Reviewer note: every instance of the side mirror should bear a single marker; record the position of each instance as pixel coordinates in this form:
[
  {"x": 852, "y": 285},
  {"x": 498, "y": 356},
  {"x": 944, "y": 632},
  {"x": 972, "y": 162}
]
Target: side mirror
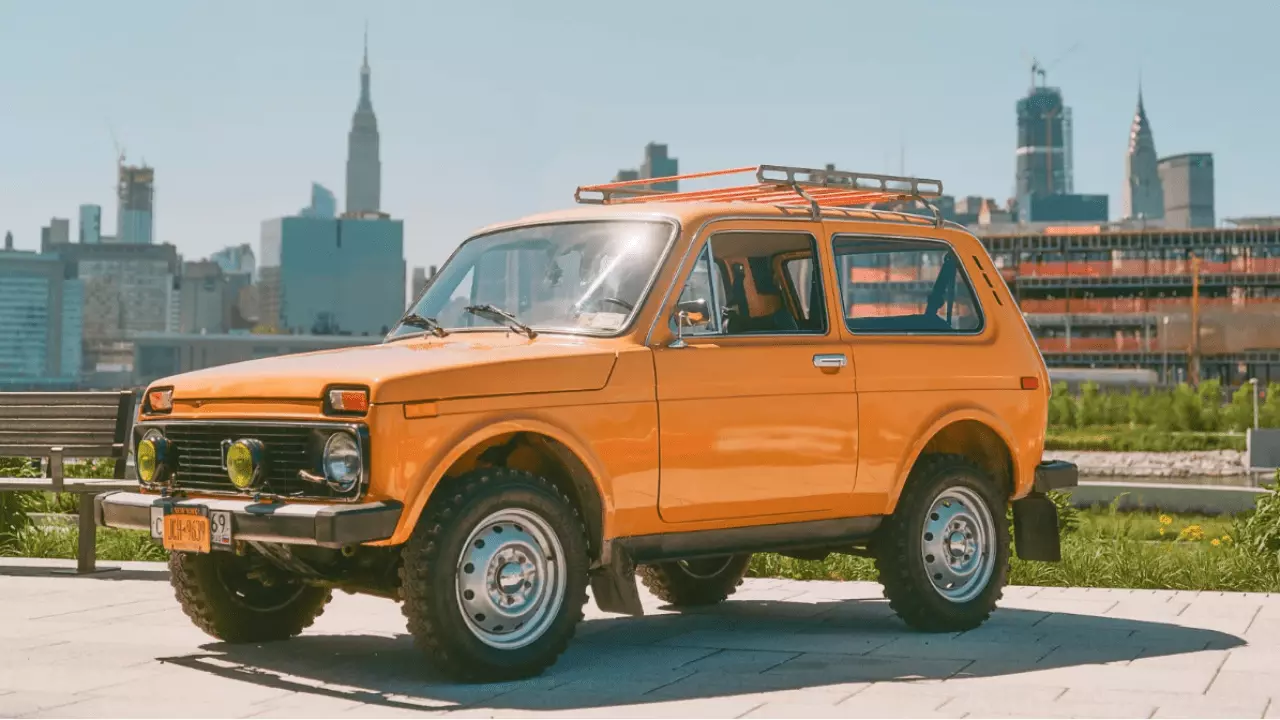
[{"x": 689, "y": 312}]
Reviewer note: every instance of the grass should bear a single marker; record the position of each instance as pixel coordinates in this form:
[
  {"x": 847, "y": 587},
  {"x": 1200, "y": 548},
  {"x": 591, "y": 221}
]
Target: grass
[
  {"x": 59, "y": 542},
  {"x": 1141, "y": 439},
  {"x": 1110, "y": 549}
]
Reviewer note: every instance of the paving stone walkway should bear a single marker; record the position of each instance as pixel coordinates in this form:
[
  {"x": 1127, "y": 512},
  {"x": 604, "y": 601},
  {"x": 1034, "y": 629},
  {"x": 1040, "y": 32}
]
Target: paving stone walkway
[{"x": 117, "y": 645}]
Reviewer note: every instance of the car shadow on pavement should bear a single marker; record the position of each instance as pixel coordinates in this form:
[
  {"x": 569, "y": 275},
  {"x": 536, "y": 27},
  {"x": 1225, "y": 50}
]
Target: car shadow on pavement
[
  {"x": 734, "y": 649},
  {"x": 106, "y": 571}
]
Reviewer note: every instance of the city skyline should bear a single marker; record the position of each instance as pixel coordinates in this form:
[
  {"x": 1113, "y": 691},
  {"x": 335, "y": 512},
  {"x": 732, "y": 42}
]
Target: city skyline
[{"x": 467, "y": 155}]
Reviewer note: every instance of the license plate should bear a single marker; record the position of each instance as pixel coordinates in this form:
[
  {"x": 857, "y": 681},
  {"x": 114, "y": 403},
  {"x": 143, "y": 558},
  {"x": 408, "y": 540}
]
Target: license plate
[{"x": 191, "y": 529}]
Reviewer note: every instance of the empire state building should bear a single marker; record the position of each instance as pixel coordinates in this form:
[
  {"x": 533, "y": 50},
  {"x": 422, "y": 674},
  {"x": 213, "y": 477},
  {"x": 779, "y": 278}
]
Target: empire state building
[{"x": 364, "y": 169}]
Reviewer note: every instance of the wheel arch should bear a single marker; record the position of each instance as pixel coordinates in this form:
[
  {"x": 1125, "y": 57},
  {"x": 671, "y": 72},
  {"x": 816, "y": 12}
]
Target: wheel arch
[
  {"x": 974, "y": 434},
  {"x": 522, "y": 444}
]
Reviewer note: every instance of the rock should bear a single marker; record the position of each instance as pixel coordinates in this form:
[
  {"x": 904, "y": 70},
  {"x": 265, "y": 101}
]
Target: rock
[{"x": 1207, "y": 463}]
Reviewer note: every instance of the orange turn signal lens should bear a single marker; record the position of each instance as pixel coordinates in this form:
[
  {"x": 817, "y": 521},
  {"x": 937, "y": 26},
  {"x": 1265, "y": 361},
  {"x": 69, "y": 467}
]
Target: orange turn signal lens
[
  {"x": 160, "y": 400},
  {"x": 1030, "y": 383},
  {"x": 349, "y": 401}
]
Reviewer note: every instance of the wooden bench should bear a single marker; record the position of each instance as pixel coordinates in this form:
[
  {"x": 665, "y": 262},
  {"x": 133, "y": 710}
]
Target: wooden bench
[{"x": 58, "y": 426}]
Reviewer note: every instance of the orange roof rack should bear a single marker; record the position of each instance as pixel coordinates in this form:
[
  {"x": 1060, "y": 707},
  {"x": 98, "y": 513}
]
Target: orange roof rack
[{"x": 778, "y": 185}]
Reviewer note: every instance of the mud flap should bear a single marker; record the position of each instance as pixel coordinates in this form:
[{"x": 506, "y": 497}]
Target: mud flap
[
  {"x": 614, "y": 585},
  {"x": 1035, "y": 528}
]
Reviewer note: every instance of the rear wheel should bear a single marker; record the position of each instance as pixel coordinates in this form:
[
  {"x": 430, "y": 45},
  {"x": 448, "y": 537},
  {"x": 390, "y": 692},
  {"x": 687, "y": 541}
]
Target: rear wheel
[
  {"x": 495, "y": 576},
  {"x": 704, "y": 581},
  {"x": 240, "y": 599},
  {"x": 943, "y": 556}
]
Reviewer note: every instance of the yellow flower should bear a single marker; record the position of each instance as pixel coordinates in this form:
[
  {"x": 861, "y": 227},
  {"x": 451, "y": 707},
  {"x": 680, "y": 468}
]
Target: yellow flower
[
  {"x": 1162, "y": 532},
  {"x": 1191, "y": 532},
  {"x": 1215, "y": 542},
  {"x": 1166, "y": 520},
  {"x": 1226, "y": 539}
]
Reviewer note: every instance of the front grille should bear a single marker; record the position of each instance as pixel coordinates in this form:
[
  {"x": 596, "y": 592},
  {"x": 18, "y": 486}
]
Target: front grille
[{"x": 288, "y": 449}]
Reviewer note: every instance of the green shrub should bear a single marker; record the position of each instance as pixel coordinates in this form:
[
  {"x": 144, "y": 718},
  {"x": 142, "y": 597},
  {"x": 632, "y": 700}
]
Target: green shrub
[
  {"x": 14, "y": 505},
  {"x": 1062, "y": 407},
  {"x": 1092, "y": 409},
  {"x": 1269, "y": 412},
  {"x": 1238, "y": 415},
  {"x": 1260, "y": 530}
]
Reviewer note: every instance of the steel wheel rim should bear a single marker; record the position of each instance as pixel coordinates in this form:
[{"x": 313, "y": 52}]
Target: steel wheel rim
[
  {"x": 700, "y": 571},
  {"x": 511, "y": 578},
  {"x": 957, "y": 544}
]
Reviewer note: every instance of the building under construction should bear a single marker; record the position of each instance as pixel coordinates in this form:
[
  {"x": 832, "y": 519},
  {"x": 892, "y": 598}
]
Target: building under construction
[{"x": 1129, "y": 299}]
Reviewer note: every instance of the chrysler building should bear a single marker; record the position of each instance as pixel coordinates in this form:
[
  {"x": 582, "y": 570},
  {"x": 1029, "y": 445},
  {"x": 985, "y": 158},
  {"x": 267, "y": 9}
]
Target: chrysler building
[
  {"x": 364, "y": 169},
  {"x": 1143, "y": 194}
]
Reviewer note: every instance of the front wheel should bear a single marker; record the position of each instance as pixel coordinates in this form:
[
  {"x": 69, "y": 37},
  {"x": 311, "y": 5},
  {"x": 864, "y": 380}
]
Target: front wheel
[
  {"x": 240, "y": 599},
  {"x": 495, "y": 576},
  {"x": 943, "y": 556}
]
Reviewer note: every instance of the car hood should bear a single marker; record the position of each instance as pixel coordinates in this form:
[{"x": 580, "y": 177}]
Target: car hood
[{"x": 411, "y": 370}]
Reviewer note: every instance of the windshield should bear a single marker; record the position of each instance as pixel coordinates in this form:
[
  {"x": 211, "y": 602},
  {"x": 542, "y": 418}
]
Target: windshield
[{"x": 585, "y": 277}]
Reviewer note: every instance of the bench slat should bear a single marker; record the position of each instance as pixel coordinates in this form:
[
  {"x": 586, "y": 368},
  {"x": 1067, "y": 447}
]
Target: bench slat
[
  {"x": 70, "y": 485},
  {"x": 69, "y": 451},
  {"x": 81, "y": 412},
  {"x": 56, "y": 438},
  {"x": 106, "y": 399},
  {"x": 93, "y": 425}
]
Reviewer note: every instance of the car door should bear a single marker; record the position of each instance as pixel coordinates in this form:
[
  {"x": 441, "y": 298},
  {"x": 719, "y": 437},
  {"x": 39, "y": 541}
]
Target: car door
[
  {"x": 756, "y": 403},
  {"x": 920, "y": 342}
]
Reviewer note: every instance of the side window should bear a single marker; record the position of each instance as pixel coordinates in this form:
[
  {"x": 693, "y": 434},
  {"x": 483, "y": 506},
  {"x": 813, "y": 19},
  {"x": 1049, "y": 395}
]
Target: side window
[
  {"x": 758, "y": 283},
  {"x": 890, "y": 286}
]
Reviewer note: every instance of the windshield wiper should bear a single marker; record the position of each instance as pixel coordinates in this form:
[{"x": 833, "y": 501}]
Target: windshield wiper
[
  {"x": 425, "y": 323},
  {"x": 498, "y": 315}
]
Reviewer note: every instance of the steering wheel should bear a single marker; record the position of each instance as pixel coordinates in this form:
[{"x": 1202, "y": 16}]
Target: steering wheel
[{"x": 621, "y": 303}]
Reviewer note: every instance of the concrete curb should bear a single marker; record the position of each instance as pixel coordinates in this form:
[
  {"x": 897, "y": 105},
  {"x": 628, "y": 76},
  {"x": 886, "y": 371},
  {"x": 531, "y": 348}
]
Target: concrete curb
[{"x": 1172, "y": 497}]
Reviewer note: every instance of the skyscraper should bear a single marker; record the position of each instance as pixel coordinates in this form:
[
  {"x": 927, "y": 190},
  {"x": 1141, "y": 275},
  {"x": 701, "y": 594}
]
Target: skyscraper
[
  {"x": 1044, "y": 152},
  {"x": 90, "y": 224},
  {"x": 364, "y": 169},
  {"x": 135, "y": 221},
  {"x": 323, "y": 204},
  {"x": 1187, "y": 180},
  {"x": 1143, "y": 193}
]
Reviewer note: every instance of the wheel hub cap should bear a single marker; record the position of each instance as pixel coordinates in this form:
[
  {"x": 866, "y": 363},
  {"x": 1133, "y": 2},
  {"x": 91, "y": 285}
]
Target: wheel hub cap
[
  {"x": 509, "y": 578},
  {"x": 957, "y": 544}
]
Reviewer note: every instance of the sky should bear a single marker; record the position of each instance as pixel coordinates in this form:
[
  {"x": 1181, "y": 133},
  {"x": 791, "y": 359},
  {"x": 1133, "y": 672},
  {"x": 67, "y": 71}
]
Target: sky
[{"x": 492, "y": 110}]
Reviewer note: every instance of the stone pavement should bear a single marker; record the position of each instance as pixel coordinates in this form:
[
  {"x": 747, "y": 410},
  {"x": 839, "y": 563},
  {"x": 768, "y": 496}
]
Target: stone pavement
[{"x": 117, "y": 645}]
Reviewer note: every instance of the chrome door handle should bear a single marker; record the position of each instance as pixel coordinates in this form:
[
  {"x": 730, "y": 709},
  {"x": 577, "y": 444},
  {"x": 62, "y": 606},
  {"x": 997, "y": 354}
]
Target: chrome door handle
[{"x": 828, "y": 361}]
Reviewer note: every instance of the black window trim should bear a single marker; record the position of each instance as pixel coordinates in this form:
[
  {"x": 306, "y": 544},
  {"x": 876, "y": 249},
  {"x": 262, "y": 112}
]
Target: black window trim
[
  {"x": 960, "y": 266},
  {"x": 826, "y": 331}
]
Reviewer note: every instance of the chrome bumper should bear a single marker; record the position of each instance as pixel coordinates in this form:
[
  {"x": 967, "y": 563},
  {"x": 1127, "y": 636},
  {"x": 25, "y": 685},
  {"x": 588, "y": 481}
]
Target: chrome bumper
[{"x": 330, "y": 526}]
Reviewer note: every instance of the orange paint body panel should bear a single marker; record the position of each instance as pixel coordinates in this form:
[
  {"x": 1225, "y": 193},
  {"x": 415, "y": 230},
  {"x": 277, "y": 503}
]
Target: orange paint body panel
[{"x": 726, "y": 431}]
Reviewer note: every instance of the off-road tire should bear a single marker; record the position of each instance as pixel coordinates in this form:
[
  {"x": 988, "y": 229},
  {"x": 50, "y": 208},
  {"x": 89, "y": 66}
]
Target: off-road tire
[
  {"x": 898, "y": 541},
  {"x": 199, "y": 583},
  {"x": 428, "y": 576},
  {"x": 678, "y": 585}
]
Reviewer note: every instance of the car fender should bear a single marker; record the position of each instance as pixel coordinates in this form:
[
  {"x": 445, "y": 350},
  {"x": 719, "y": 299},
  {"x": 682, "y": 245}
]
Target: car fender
[
  {"x": 945, "y": 418},
  {"x": 483, "y": 429}
]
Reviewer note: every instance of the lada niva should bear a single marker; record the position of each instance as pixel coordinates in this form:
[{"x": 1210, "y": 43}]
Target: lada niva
[{"x": 655, "y": 385}]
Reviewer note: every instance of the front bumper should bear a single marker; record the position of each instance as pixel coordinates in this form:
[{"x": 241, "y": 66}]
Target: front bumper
[{"x": 330, "y": 526}]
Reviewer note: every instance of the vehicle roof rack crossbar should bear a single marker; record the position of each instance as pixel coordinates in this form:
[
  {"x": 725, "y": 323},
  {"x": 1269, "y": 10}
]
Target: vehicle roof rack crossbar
[{"x": 780, "y": 185}]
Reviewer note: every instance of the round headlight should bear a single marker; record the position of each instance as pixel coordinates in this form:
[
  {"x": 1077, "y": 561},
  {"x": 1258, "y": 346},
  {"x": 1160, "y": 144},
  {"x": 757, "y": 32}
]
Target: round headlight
[
  {"x": 342, "y": 462},
  {"x": 151, "y": 456},
  {"x": 244, "y": 463}
]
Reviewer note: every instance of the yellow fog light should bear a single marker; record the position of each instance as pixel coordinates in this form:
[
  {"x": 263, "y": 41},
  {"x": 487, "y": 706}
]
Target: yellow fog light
[
  {"x": 244, "y": 463},
  {"x": 151, "y": 456}
]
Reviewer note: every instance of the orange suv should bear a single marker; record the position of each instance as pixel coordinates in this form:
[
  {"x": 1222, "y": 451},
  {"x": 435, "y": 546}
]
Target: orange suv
[{"x": 658, "y": 384}]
